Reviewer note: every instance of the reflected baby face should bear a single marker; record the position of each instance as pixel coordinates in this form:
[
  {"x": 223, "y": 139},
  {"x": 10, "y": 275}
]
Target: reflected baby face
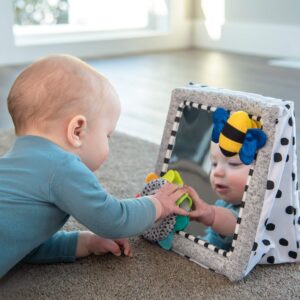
[{"x": 228, "y": 175}]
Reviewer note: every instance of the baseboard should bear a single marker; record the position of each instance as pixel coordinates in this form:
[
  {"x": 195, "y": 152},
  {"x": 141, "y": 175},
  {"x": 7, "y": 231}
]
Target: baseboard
[
  {"x": 175, "y": 39},
  {"x": 269, "y": 40}
]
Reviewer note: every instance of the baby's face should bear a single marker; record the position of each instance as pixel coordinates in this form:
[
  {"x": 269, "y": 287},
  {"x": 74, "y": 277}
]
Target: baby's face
[
  {"x": 96, "y": 146},
  {"x": 228, "y": 175}
]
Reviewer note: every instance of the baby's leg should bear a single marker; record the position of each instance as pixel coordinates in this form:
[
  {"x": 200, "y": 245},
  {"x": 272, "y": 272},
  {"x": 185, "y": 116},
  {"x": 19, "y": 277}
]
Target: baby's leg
[{"x": 61, "y": 247}]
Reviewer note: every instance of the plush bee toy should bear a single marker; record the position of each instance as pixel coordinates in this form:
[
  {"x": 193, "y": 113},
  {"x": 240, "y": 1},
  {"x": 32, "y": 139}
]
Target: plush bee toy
[{"x": 237, "y": 134}]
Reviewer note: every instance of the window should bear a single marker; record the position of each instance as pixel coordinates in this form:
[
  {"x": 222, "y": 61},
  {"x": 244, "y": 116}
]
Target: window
[
  {"x": 46, "y": 18},
  {"x": 30, "y": 12}
]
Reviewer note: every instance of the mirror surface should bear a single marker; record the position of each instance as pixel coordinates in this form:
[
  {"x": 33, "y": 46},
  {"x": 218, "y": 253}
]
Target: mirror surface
[{"x": 191, "y": 156}]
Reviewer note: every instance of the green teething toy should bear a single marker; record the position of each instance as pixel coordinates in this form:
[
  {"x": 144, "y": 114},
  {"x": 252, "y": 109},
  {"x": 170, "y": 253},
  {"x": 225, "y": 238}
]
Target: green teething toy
[{"x": 185, "y": 201}]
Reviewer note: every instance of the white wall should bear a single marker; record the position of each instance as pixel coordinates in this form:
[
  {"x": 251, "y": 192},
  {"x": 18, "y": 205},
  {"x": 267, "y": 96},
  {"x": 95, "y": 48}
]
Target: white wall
[
  {"x": 178, "y": 37},
  {"x": 268, "y": 28},
  {"x": 285, "y": 12}
]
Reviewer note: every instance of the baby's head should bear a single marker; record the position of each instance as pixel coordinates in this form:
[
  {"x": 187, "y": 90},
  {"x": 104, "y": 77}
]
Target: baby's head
[
  {"x": 65, "y": 100},
  {"x": 228, "y": 175}
]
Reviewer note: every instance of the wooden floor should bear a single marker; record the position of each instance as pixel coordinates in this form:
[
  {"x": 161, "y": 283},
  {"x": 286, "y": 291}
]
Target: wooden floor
[{"x": 144, "y": 83}]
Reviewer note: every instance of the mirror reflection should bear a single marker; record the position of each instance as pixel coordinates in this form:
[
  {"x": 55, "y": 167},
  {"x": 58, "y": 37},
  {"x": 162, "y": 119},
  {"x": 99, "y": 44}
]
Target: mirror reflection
[{"x": 219, "y": 181}]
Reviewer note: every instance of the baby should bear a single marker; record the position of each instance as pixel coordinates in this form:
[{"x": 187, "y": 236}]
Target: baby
[
  {"x": 235, "y": 140},
  {"x": 64, "y": 113},
  {"x": 228, "y": 178}
]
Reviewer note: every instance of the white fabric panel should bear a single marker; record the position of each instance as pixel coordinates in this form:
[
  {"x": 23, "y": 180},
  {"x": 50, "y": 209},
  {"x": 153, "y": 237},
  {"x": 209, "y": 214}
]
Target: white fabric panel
[{"x": 278, "y": 233}]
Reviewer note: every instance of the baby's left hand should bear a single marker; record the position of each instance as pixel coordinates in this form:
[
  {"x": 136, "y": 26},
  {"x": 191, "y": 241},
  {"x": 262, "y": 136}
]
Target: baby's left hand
[
  {"x": 124, "y": 246},
  {"x": 90, "y": 243}
]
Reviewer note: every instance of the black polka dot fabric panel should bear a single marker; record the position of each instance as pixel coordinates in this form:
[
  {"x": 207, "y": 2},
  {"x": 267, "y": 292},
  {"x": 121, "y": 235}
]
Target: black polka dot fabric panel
[{"x": 278, "y": 233}]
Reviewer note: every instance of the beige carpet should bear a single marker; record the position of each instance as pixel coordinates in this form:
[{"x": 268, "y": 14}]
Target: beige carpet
[{"x": 152, "y": 273}]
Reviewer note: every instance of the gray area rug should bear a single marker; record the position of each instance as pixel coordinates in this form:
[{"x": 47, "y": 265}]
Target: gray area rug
[{"x": 152, "y": 273}]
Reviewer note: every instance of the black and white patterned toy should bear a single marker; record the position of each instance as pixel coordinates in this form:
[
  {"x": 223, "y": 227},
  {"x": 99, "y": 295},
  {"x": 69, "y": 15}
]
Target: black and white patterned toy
[{"x": 162, "y": 228}]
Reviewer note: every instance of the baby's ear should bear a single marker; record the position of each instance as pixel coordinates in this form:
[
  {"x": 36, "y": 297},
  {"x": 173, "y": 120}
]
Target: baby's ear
[{"x": 76, "y": 128}]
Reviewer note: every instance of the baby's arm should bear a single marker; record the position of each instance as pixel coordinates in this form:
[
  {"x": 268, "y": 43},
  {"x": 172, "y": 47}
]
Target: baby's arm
[
  {"x": 219, "y": 218},
  {"x": 61, "y": 247},
  {"x": 77, "y": 192},
  {"x": 67, "y": 246},
  {"x": 164, "y": 201}
]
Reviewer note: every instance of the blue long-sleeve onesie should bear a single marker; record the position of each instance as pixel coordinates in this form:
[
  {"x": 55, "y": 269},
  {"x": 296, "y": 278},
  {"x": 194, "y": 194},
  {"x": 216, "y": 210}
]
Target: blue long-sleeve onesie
[{"x": 41, "y": 185}]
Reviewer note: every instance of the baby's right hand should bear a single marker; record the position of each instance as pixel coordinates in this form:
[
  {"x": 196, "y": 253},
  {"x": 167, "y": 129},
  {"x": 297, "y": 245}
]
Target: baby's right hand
[{"x": 165, "y": 200}]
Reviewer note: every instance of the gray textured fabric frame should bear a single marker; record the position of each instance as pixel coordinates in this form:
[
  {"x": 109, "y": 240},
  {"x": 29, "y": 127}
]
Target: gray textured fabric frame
[{"x": 233, "y": 263}]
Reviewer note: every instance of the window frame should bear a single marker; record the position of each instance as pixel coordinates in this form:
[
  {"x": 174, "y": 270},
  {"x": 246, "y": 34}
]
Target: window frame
[{"x": 54, "y": 34}]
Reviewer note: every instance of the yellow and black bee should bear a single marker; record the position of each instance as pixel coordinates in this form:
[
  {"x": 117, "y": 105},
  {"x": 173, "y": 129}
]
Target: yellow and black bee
[{"x": 237, "y": 134}]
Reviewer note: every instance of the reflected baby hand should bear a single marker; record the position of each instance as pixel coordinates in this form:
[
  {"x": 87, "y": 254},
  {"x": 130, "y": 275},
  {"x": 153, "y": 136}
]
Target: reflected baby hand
[
  {"x": 165, "y": 200},
  {"x": 201, "y": 211}
]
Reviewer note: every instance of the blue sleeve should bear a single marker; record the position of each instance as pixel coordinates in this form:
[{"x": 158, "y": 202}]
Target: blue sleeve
[
  {"x": 61, "y": 247},
  {"x": 233, "y": 208},
  {"x": 76, "y": 191}
]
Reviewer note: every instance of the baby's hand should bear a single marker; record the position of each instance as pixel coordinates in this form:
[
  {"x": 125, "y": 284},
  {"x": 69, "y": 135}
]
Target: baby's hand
[
  {"x": 90, "y": 243},
  {"x": 201, "y": 211},
  {"x": 165, "y": 200},
  {"x": 116, "y": 247}
]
